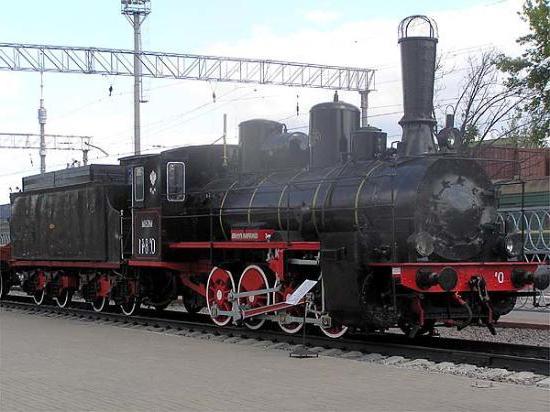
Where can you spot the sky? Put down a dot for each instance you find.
(359, 33)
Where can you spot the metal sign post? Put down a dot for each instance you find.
(303, 292)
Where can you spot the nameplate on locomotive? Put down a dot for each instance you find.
(251, 235)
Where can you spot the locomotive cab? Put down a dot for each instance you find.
(166, 189)
(144, 176)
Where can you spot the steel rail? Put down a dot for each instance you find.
(513, 357)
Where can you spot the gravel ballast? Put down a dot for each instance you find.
(535, 337)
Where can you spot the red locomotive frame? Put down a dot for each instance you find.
(497, 276)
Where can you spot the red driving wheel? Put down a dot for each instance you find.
(295, 311)
(253, 278)
(220, 283)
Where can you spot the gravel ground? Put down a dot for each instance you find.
(505, 335)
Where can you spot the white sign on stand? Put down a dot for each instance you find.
(299, 293)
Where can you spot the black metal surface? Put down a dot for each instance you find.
(456, 201)
(368, 143)
(108, 174)
(343, 261)
(203, 163)
(185, 218)
(129, 162)
(74, 223)
(286, 151)
(252, 136)
(330, 130)
(509, 356)
(449, 198)
(418, 53)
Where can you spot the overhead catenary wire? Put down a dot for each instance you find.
(153, 149)
(176, 121)
(173, 120)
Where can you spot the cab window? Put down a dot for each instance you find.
(175, 181)
(139, 184)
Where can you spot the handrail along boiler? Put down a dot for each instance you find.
(404, 236)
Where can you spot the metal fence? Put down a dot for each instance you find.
(534, 223)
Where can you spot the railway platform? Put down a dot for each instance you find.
(527, 318)
(60, 364)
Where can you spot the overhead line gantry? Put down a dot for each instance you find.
(120, 62)
(49, 142)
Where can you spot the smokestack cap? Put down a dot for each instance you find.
(417, 26)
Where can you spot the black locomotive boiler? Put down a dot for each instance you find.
(386, 237)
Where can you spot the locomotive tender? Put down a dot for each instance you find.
(403, 236)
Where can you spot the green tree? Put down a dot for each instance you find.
(470, 134)
(530, 73)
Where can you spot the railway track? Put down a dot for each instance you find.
(512, 357)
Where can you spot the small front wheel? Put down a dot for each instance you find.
(130, 307)
(100, 304)
(64, 298)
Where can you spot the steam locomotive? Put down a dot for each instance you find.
(332, 229)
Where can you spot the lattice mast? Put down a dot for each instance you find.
(136, 12)
(42, 115)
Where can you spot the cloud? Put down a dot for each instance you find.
(321, 16)
(373, 43)
(183, 112)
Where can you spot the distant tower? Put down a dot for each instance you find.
(136, 11)
(42, 115)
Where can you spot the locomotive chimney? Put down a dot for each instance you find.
(418, 40)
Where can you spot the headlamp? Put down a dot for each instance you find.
(424, 244)
(513, 245)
